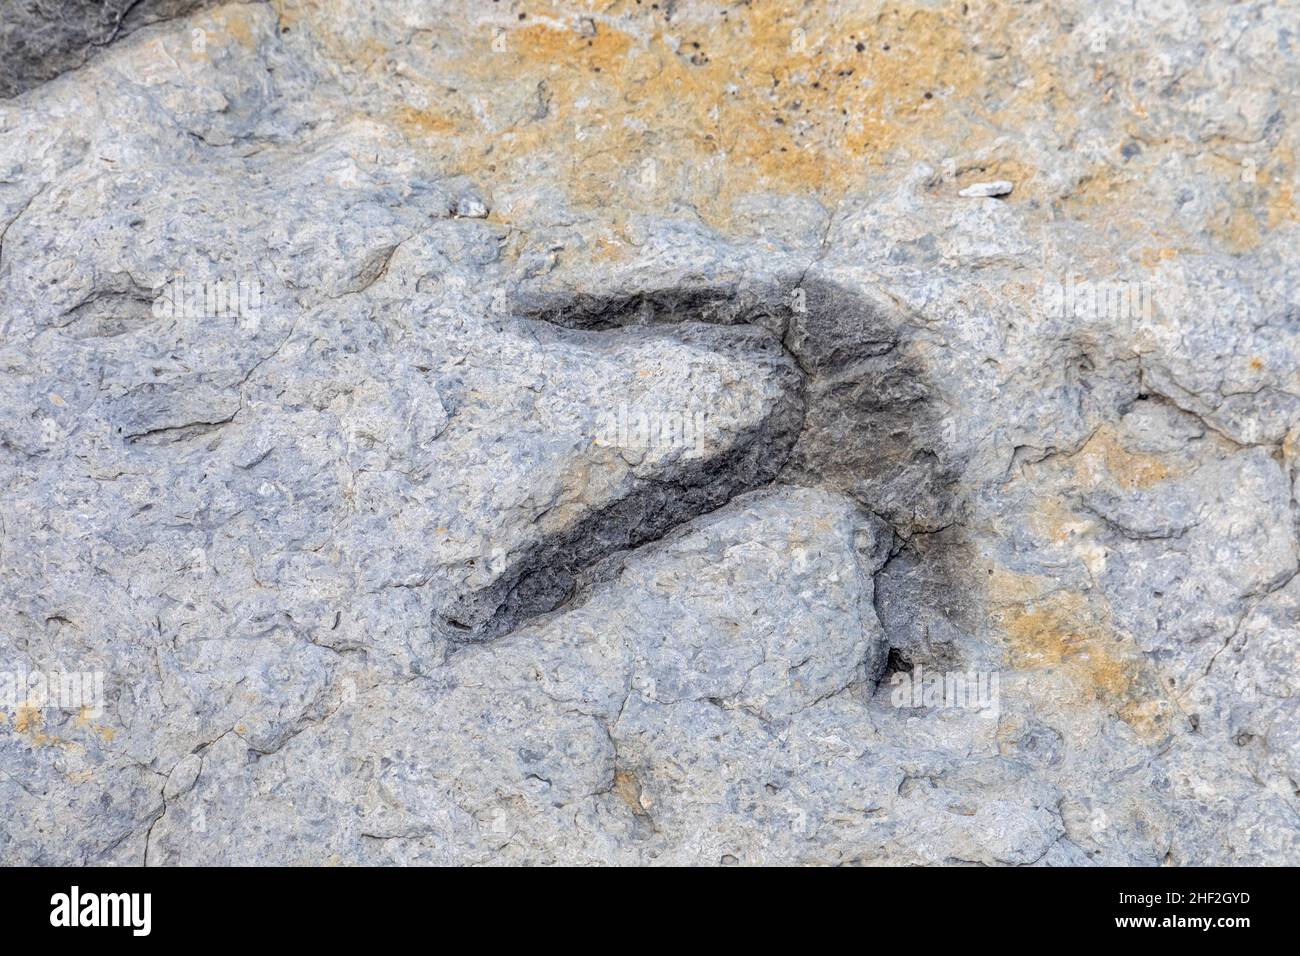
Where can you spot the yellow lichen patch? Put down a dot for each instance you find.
(1104, 457)
(1238, 229)
(418, 122)
(1291, 444)
(699, 108)
(30, 722)
(1278, 180)
(1152, 256)
(1105, 187)
(1119, 198)
(628, 789)
(29, 719)
(84, 721)
(105, 732)
(1067, 631)
(611, 249)
(288, 12)
(705, 106)
(237, 19)
(1280, 208)
(1061, 627)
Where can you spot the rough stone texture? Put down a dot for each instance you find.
(635, 401)
(40, 39)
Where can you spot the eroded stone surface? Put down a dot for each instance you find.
(602, 417)
(41, 40)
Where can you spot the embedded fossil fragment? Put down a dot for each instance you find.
(855, 415)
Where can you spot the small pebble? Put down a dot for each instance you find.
(998, 187)
(470, 207)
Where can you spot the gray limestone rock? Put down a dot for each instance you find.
(436, 436)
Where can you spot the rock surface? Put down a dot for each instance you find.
(40, 39)
(631, 433)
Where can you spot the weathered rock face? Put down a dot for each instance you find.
(697, 434)
(40, 39)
